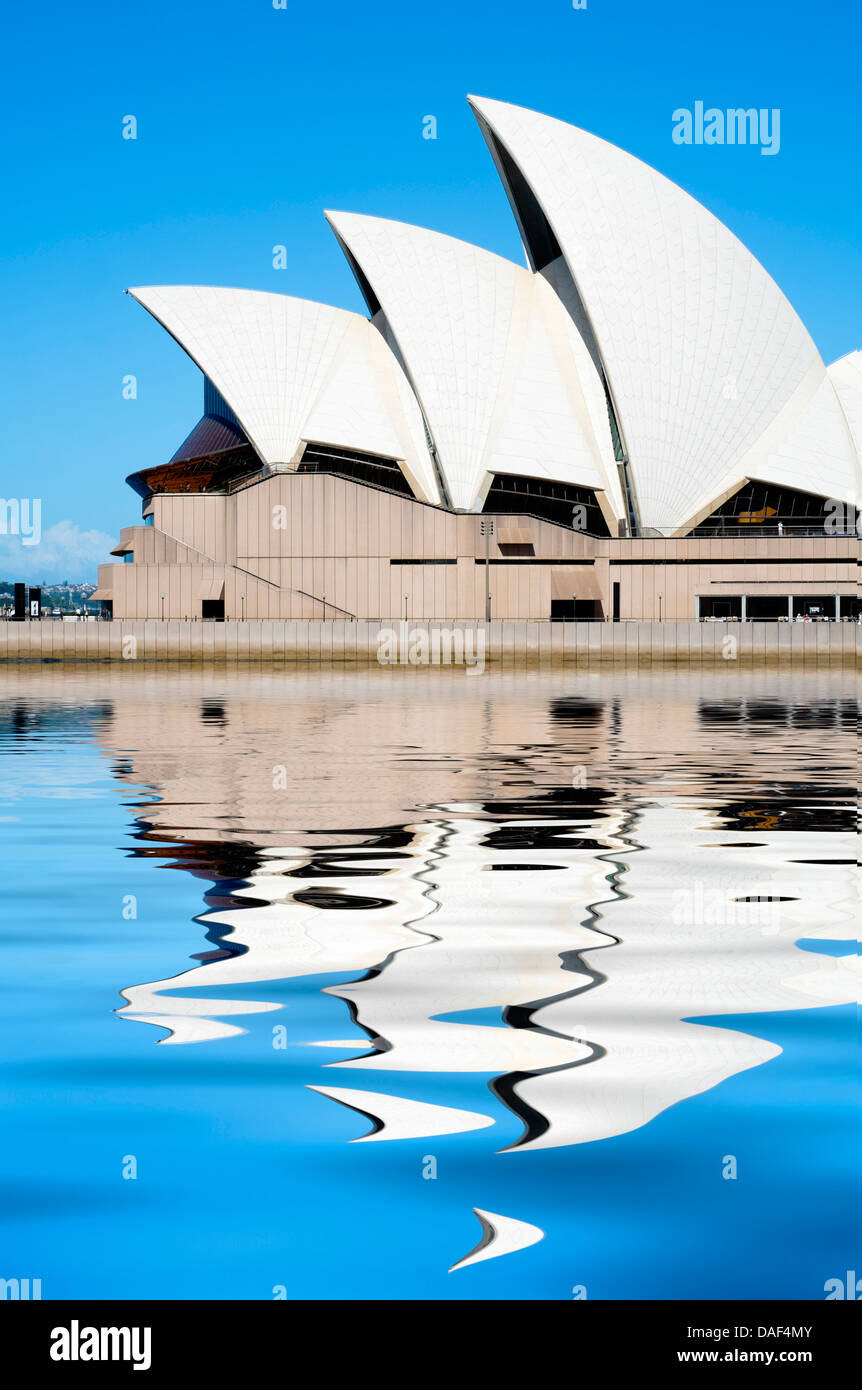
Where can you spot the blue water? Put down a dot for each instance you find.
(246, 1182)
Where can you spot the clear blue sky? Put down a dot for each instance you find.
(252, 120)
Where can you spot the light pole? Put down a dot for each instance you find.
(406, 597)
(486, 527)
(163, 607)
(324, 607)
(242, 607)
(659, 607)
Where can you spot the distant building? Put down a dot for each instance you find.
(637, 426)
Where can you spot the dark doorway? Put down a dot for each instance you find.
(722, 606)
(817, 606)
(567, 610)
(212, 610)
(769, 608)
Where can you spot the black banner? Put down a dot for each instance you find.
(223, 1339)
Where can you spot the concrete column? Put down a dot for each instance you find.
(790, 608)
(744, 613)
(697, 608)
(837, 608)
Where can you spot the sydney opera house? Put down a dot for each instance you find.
(633, 425)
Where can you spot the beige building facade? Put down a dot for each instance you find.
(291, 545)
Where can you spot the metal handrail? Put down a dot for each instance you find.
(744, 533)
(251, 574)
(327, 603)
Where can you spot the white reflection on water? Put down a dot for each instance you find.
(597, 929)
(606, 982)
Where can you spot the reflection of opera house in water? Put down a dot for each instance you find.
(590, 906)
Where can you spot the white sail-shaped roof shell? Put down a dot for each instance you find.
(846, 378)
(294, 371)
(503, 377)
(714, 376)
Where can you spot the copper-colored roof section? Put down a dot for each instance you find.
(211, 435)
(216, 451)
(207, 473)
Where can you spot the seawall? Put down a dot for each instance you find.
(627, 643)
